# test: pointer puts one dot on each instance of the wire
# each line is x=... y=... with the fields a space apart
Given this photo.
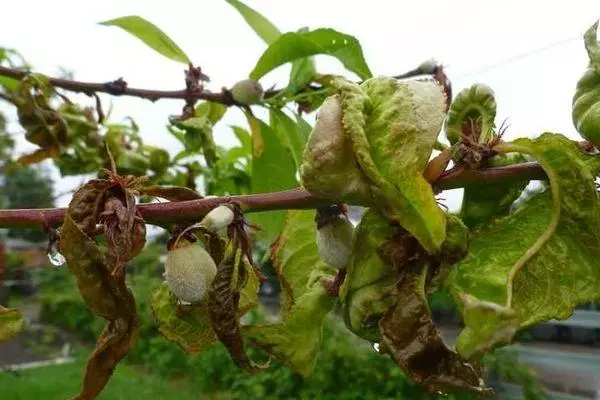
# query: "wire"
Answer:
x=518 y=57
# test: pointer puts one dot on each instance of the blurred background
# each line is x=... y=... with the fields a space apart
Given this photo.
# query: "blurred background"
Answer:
x=530 y=53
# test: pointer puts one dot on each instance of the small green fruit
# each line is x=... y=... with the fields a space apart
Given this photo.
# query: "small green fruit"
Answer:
x=189 y=271
x=334 y=241
x=247 y=92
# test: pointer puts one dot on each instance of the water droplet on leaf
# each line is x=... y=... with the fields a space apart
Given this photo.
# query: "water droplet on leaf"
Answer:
x=56 y=258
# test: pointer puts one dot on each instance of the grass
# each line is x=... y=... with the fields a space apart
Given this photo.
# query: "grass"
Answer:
x=64 y=381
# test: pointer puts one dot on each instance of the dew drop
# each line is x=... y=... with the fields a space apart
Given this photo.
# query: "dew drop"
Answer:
x=56 y=258
x=53 y=250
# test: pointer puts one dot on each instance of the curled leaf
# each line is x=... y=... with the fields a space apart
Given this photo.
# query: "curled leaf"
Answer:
x=44 y=126
x=384 y=300
x=412 y=339
x=472 y=112
x=11 y=322
x=99 y=272
x=295 y=342
x=586 y=100
x=296 y=339
x=223 y=302
x=371 y=147
x=537 y=263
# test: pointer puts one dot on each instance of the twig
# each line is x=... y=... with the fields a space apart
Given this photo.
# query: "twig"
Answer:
x=194 y=210
x=119 y=88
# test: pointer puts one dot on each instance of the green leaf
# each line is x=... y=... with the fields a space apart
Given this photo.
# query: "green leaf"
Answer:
x=305 y=303
x=484 y=202
x=296 y=341
x=302 y=73
x=290 y=133
x=538 y=263
x=262 y=26
x=187 y=326
x=292 y=46
x=199 y=135
x=214 y=112
x=150 y=34
x=244 y=137
x=272 y=170
x=11 y=322
x=294 y=255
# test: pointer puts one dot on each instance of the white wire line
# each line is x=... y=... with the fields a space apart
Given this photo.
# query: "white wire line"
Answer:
x=517 y=57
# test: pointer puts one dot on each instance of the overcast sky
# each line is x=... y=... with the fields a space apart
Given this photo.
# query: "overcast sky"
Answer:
x=530 y=52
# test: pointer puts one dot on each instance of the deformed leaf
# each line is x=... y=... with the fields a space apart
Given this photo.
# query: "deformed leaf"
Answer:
x=38 y=156
x=384 y=300
x=586 y=100
x=100 y=272
x=294 y=45
x=150 y=34
x=45 y=127
x=295 y=342
x=538 y=263
x=223 y=303
x=472 y=107
x=305 y=302
x=262 y=26
x=409 y=334
x=11 y=321
x=393 y=126
x=105 y=297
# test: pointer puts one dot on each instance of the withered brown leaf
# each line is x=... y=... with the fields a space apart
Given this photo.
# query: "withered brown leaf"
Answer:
x=410 y=336
x=105 y=293
x=223 y=302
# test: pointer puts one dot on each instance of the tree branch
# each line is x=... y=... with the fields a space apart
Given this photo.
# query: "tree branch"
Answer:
x=119 y=88
x=194 y=210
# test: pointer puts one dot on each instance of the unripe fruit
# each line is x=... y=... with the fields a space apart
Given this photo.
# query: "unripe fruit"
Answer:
x=189 y=271
x=218 y=218
x=247 y=92
x=334 y=241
